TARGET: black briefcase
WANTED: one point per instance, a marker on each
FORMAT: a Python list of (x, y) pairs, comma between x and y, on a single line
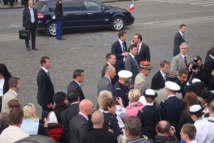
[(24, 34)]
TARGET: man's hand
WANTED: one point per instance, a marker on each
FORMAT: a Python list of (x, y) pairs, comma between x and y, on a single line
[(125, 54), (212, 73), (120, 101), (50, 105)]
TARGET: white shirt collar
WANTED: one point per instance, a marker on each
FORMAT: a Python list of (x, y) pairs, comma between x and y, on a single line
[(131, 55), (101, 110), (45, 69), (74, 102), (13, 92), (121, 42), (211, 56), (109, 64), (108, 77), (170, 96), (182, 55), (163, 74), (149, 104), (77, 82), (181, 33)]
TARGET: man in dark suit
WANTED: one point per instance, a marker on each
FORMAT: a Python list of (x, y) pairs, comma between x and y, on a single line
[(158, 80), (170, 109), (30, 23), (69, 113), (59, 20), (182, 80), (131, 64), (111, 60), (119, 48), (178, 39), (79, 125), (75, 85), (143, 53), (45, 86)]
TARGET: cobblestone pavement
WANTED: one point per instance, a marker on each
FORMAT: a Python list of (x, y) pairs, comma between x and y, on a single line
[(156, 21)]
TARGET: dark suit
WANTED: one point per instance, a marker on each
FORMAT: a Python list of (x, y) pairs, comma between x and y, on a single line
[(209, 66), (144, 54), (178, 39), (74, 86), (132, 66), (182, 87), (66, 117), (78, 128), (171, 109), (114, 80), (158, 82), (117, 50), (30, 26), (45, 90)]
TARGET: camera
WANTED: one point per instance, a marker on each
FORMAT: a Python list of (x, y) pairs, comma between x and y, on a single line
[(195, 60)]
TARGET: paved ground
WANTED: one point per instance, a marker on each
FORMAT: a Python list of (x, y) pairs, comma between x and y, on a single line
[(156, 20)]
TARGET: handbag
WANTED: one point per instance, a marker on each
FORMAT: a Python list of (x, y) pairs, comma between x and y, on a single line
[(24, 34)]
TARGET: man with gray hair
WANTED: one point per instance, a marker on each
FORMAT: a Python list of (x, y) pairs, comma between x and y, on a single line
[(99, 134), (181, 60), (133, 130)]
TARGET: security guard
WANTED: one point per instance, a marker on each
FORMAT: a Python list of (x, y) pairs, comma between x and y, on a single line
[(171, 108), (149, 115), (121, 88)]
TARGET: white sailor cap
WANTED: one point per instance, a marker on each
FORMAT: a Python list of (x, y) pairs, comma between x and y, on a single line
[(150, 93), (195, 80), (172, 86), (125, 74), (196, 109)]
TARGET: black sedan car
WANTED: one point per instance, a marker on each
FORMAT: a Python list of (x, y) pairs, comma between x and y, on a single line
[(81, 14)]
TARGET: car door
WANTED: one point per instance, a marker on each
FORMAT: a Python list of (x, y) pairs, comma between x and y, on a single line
[(97, 14), (74, 15)]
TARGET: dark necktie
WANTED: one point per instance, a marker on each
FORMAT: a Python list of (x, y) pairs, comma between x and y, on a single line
[(136, 63), (48, 73), (185, 61)]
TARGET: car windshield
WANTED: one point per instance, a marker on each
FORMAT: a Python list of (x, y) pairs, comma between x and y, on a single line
[(40, 6)]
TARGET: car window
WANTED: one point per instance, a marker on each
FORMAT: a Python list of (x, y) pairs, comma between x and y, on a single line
[(40, 6), (90, 5), (73, 5)]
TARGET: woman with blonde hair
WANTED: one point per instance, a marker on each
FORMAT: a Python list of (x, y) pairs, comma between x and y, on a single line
[(31, 123), (135, 105)]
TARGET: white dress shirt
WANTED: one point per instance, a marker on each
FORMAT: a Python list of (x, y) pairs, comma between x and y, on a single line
[(1, 86)]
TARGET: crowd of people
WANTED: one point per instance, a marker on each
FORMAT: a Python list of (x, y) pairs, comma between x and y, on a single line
[(177, 107)]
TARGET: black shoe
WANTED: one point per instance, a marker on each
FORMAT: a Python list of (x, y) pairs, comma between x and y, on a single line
[(34, 48), (62, 39)]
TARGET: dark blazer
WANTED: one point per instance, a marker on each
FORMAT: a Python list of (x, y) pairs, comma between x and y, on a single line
[(178, 39), (209, 66), (45, 88), (59, 11), (116, 49), (26, 21), (132, 66), (66, 117), (74, 86), (6, 85), (104, 84), (171, 109), (182, 87), (78, 128), (158, 81), (144, 54), (114, 80)]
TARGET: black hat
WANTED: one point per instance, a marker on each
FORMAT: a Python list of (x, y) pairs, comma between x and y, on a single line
[(199, 85)]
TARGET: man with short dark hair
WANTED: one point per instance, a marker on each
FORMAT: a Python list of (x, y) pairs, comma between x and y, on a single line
[(69, 113), (110, 61), (165, 133), (98, 133), (13, 133), (119, 48), (45, 87), (15, 85), (75, 85), (133, 130), (188, 133), (159, 79), (143, 53), (182, 80), (179, 38)]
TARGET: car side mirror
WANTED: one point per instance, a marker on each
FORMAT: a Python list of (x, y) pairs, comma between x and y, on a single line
[(104, 8)]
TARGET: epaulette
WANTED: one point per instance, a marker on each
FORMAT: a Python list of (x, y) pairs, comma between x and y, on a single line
[(118, 88)]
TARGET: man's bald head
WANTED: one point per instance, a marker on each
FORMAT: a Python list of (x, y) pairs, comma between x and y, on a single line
[(97, 118), (163, 127), (86, 106), (110, 71)]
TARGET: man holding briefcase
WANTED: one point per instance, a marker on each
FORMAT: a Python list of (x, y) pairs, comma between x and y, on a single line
[(30, 22)]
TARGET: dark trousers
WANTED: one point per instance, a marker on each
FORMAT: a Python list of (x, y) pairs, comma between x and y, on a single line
[(59, 25), (33, 36), (45, 108), (5, 2)]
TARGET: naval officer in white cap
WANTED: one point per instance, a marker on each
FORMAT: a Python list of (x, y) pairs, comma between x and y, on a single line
[(121, 88), (205, 128), (170, 109)]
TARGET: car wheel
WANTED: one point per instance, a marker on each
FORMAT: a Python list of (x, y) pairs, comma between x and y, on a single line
[(117, 23), (51, 29)]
